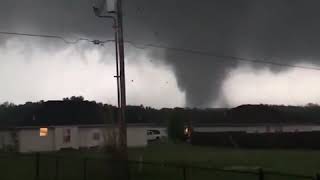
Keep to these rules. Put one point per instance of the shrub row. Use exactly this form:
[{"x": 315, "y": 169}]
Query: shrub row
[{"x": 309, "y": 140}]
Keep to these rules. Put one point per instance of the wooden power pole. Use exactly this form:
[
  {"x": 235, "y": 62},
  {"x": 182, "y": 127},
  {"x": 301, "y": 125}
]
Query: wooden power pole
[{"x": 122, "y": 119}]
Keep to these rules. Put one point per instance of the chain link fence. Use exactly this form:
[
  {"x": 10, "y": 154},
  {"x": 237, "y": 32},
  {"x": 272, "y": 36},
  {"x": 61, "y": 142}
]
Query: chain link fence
[{"x": 68, "y": 167}]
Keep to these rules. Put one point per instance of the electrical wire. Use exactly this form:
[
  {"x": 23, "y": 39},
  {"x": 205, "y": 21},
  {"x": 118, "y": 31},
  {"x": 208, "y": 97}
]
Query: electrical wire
[
  {"x": 46, "y": 36},
  {"x": 157, "y": 46},
  {"x": 220, "y": 56}
]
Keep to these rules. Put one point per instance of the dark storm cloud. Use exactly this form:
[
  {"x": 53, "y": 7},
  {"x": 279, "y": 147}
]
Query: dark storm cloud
[
  {"x": 286, "y": 29},
  {"x": 283, "y": 31},
  {"x": 64, "y": 17}
]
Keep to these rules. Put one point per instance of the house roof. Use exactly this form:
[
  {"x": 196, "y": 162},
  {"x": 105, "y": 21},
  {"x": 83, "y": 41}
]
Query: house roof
[{"x": 130, "y": 125}]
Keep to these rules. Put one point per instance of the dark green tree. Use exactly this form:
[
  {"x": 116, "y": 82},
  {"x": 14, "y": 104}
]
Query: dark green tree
[{"x": 176, "y": 127}]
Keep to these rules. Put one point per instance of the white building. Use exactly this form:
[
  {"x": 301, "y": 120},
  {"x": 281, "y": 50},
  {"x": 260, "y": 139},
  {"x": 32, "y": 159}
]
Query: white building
[
  {"x": 54, "y": 138},
  {"x": 257, "y": 128},
  {"x": 6, "y": 138}
]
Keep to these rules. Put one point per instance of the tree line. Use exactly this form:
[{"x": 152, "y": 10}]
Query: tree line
[{"x": 77, "y": 110}]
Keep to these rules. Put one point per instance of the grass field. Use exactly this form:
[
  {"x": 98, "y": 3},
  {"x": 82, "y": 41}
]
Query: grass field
[
  {"x": 291, "y": 161},
  {"x": 71, "y": 166}
]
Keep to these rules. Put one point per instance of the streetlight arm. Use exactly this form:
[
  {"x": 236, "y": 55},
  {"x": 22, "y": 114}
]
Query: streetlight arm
[{"x": 97, "y": 13}]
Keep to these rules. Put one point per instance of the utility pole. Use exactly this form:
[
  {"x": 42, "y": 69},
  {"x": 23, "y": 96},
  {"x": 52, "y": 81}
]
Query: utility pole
[
  {"x": 122, "y": 123},
  {"x": 122, "y": 119},
  {"x": 114, "y": 11}
]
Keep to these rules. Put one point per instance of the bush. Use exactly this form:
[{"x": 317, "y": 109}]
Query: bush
[
  {"x": 176, "y": 128},
  {"x": 306, "y": 140}
]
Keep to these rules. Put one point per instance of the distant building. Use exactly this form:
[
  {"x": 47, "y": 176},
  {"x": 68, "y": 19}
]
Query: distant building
[{"x": 257, "y": 128}]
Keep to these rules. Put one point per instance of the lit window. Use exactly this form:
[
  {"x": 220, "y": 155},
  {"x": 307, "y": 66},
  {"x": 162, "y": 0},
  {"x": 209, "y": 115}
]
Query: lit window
[
  {"x": 66, "y": 135},
  {"x": 186, "y": 130},
  {"x": 43, "y": 132},
  {"x": 96, "y": 136}
]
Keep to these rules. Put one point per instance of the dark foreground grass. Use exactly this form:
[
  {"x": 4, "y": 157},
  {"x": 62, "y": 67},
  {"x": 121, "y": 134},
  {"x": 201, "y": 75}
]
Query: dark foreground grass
[
  {"x": 291, "y": 161},
  {"x": 70, "y": 165}
]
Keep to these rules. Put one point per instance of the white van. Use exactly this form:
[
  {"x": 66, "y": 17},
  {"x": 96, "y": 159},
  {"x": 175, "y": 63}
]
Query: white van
[{"x": 153, "y": 134}]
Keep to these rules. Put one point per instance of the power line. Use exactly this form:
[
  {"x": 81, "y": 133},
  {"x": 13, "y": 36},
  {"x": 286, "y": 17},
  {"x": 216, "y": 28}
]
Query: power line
[
  {"x": 55, "y": 37},
  {"x": 157, "y": 46},
  {"x": 212, "y": 54}
]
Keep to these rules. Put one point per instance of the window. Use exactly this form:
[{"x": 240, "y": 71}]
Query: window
[
  {"x": 278, "y": 129},
  {"x": 96, "y": 136},
  {"x": 268, "y": 129},
  {"x": 66, "y": 135},
  {"x": 43, "y": 132},
  {"x": 156, "y": 131}
]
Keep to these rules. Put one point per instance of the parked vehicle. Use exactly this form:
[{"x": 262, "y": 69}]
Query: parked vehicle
[{"x": 153, "y": 135}]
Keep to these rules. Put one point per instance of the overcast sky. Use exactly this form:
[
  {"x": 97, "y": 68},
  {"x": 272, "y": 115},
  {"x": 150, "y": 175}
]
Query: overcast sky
[{"x": 280, "y": 31}]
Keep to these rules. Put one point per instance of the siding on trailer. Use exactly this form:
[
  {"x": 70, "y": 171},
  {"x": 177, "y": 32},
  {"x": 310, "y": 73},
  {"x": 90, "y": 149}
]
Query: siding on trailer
[
  {"x": 29, "y": 140},
  {"x": 91, "y": 137},
  {"x": 136, "y": 136},
  {"x": 6, "y": 139}
]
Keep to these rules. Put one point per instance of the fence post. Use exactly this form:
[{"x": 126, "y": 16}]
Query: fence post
[
  {"x": 57, "y": 168},
  {"x": 261, "y": 174},
  {"x": 184, "y": 172},
  {"x": 37, "y": 164},
  {"x": 317, "y": 176},
  {"x": 85, "y": 169},
  {"x": 140, "y": 167},
  {"x": 129, "y": 173}
]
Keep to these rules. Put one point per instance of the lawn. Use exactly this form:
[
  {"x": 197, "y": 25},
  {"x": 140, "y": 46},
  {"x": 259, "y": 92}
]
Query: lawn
[
  {"x": 290, "y": 161},
  {"x": 71, "y": 164}
]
